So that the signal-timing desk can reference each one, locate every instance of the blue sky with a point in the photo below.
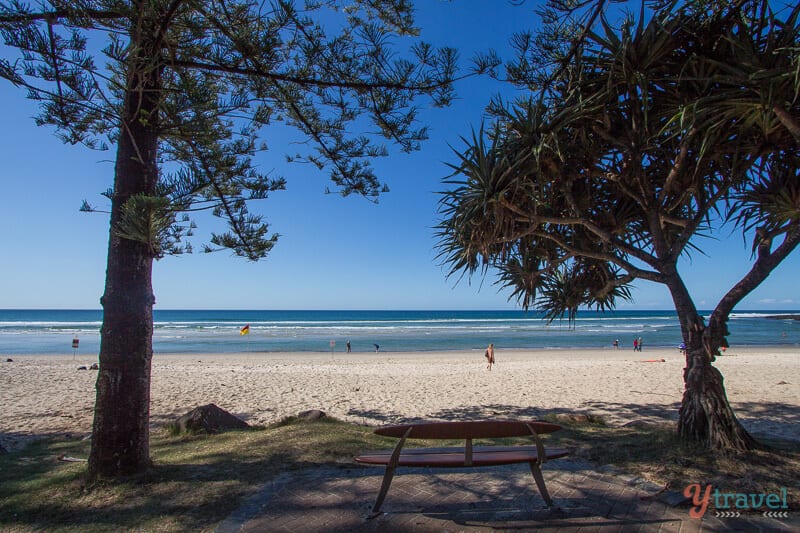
(334, 252)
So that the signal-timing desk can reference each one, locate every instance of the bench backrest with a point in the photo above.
(473, 429)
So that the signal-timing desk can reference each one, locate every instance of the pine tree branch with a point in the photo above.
(311, 82)
(61, 14)
(223, 200)
(166, 21)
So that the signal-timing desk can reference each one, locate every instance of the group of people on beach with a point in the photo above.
(637, 344)
(489, 354)
(350, 347)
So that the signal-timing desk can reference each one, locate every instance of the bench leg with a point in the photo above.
(537, 476)
(389, 474)
(387, 480)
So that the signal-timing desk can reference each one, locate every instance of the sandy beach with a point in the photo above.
(45, 395)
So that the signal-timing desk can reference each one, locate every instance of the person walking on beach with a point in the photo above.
(616, 344)
(376, 348)
(348, 346)
(489, 357)
(635, 345)
(641, 343)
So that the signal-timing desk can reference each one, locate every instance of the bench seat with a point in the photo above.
(456, 456)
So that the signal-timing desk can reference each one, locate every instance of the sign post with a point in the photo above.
(75, 343)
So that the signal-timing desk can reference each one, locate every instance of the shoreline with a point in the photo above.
(48, 395)
(603, 349)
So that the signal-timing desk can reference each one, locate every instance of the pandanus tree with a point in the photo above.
(182, 89)
(646, 137)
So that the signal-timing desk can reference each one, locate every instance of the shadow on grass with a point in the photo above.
(767, 419)
(195, 481)
(650, 446)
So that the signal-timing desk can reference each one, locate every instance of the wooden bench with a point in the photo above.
(468, 455)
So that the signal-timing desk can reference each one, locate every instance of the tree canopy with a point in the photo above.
(226, 71)
(636, 140)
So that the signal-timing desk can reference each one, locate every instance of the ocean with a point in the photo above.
(196, 331)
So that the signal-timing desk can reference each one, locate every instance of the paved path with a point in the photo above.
(486, 499)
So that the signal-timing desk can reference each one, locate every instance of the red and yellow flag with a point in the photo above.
(245, 330)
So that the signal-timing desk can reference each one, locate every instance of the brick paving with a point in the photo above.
(479, 499)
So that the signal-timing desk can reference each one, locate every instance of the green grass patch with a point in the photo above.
(197, 481)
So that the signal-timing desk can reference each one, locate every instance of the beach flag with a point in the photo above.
(245, 330)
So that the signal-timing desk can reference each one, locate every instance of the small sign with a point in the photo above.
(75, 343)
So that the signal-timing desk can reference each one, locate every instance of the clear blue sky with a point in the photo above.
(334, 253)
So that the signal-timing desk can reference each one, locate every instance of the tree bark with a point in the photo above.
(120, 435)
(705, 415)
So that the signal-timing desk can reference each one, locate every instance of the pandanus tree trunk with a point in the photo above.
(705, 414)
(120, 436)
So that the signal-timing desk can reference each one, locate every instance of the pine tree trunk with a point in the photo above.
(120, 436)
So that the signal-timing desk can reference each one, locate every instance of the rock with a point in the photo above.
(9, 360)
(576, 418)
(209, 419)
(313, 414)
(639, 424)
(82, 367)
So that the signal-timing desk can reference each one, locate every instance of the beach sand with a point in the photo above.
(47, 395)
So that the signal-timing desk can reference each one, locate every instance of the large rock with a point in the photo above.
(209, 419)
(313, 414)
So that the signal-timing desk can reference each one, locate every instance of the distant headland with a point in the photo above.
(783, 317)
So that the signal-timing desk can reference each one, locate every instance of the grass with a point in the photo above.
(657, 454)
(197, 481)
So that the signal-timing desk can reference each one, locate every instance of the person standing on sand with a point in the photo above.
(489, 357)
(641, 343)
(348, 346)
(635, 345)
(616, 344)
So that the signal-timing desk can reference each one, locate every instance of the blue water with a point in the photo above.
(52, 331)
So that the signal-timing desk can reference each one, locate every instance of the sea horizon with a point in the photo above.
(52, 331)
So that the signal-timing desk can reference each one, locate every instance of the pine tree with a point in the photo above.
(181, 89)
